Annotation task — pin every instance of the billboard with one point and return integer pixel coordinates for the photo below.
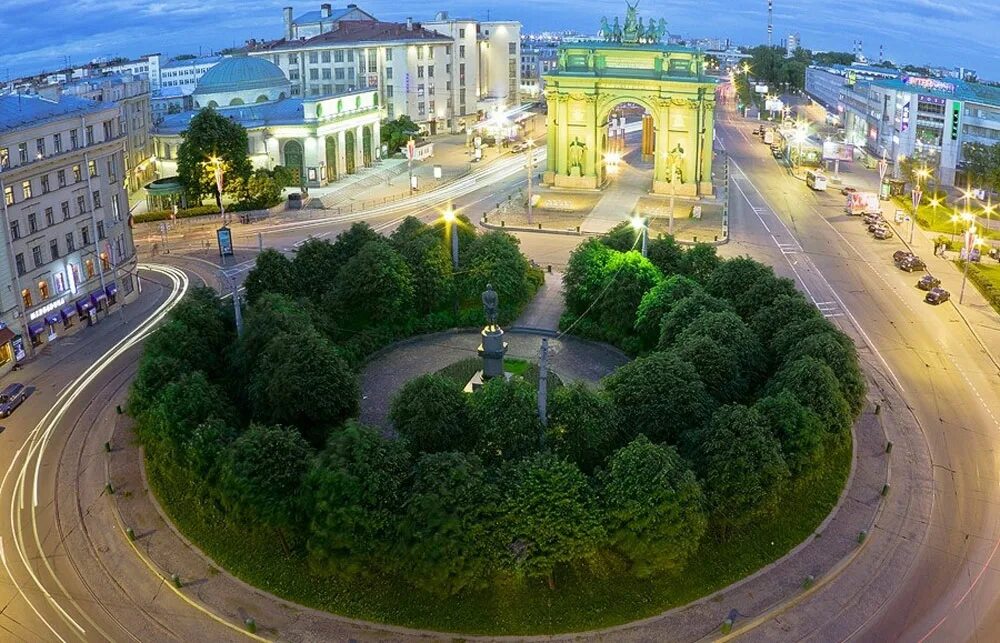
(760, 89)
(774, 105)
(833, 151)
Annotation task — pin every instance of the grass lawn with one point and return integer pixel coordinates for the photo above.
(463, 370)
(987, 279)
(581, 600)
(939, 219)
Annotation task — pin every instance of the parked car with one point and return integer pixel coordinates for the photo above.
(937, 296)
(900, 255)
(869, 219)
(911, 263)
(928, 282)
(11, 398)
(872, 227)
(882, 233)
(520, 146)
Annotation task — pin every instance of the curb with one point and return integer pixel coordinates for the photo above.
(571, 233)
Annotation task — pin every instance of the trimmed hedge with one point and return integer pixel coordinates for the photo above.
(197, 211)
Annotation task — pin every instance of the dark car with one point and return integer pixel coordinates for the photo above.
(909, 264)
(901, 255)
(873, 219)
(872, 227)
(882, 233)
(928, 282)
(11, 398)
(937, 296)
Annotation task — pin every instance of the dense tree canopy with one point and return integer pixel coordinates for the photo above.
(210, 135)
(583, 425)
(505, 415)
(430, 413)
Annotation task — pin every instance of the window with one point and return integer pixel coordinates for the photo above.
(326, 56)
(420, 53)
(74, 141)
(26, 189)
(313, 74)
(89, 266)
(420, 71)
(40, 147)
(388, 73)
(57, 143)
(70, 242)
(61, 178)
(15, 230)
(350, 55)
(45, 183)
(116, 208)
(65, 210)
(327, 89)
(293, 74)
(339, 73)
(90, 135)
(74, 270)
(100, 229)
(22, 152)
(108, 131)
(461, 33)
(92, 168)
(461, 51)
(313, 57)
(36, 255)
(4, 158)
(105, 262)
(43, 290)
(77, 175)
(326, 73)
(97, 198)
(430, 71)
(54, 249)
(60, 283)
(26, 297)
(512, 48)
(32, 223)
(293, 58)
(49, 219)
(447, 50)
(350, 73)
(388, 91)
(338, 56)
(111, 170)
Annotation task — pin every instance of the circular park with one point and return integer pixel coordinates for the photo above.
(350, 451)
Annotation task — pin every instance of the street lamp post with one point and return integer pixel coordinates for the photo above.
(451, 228)
(531, 169)
(641, 226)
(972, 240)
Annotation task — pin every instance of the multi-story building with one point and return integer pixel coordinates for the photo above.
(131, 94)
(441, 73)
(793, 42)
(537, 59)
(68, 247)
(182, 72)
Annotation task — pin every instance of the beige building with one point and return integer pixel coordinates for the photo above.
(67, 247)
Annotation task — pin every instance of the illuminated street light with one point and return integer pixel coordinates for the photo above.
(451, 228)
(640, 226)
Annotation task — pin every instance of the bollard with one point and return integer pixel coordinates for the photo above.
(888, 446)
(118, 409)
(808, 582)
(862, 535)
(578, 229)
(176, 580)
(878, 408)
(696, 239)
(251, 625)
(130, 534)
(539, 226)
(727, 626)
(109, 489)
(885, 489)
(716, 237)
(107, 447)
(501, 223)
(550, 268)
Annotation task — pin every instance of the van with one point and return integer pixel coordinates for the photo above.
(816, 180)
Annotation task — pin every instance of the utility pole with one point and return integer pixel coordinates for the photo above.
(770, 20)
(543, 387)
(228, 282)
(531, 169)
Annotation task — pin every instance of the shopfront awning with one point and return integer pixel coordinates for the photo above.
(83, 305)
(112, 289)
(67, 312)
(53, 318)
(97, 296)
(6, 335)
(36, 329)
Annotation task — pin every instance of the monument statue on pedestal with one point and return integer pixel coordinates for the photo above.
(491, 305)
(493, 348)
(576, 155)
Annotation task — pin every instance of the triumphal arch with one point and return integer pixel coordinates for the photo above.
(629, 63)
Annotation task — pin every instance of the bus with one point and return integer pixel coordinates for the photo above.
(816, 180)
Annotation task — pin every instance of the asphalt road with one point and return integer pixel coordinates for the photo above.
(949, 589)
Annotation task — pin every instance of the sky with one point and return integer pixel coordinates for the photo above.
(38, 35)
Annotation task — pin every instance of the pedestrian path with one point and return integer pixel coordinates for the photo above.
(543, 312)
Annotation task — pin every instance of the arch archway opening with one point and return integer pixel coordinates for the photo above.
(293, 159)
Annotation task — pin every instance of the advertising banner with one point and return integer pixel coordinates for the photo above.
(833, 151)
(225, 238)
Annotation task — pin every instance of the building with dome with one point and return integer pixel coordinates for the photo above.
(320, 138)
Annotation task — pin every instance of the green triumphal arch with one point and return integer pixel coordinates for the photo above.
(629, 64)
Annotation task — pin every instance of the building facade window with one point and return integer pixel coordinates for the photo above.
(57, 143)
(100, 230)
(49, 218)
(54, 249)
(65, 210)
(45, 183)
(61, 178)
(81, 204)
(8, 195)
(26, 298)
(70, 242)
(26, 189)
(90, 135)
(77, 174)
(32, 223)
(22, 153)
(15, 230)
(43, 290)
(89, 267)
(105, 262)
(74, 139)
(40, 147)
(92, 168)
(97, 198)
(4, 158)
(36, 256)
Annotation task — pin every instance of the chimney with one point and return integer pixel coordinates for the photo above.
(409, 24)
(442, 15)
(324, 10)
(287, 11)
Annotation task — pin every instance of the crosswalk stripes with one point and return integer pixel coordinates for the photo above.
(829, 309)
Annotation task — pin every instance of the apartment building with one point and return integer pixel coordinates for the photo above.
(68, 247)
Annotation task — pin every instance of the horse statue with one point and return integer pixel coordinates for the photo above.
(605, 33)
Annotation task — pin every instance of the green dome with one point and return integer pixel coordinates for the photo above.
(241, 73)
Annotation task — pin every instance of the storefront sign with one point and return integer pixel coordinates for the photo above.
(18, 344)
(930, 83)
(905, 120)
(225, 238)
(47, 308)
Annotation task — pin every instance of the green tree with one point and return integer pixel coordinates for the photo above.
(799, 431)
(779, 313)
(209, 135)
(730, 332)
(263, 476)
(718, 367)
(684, 312)
(788, 336)
(302, 381)
(654, 506)
(587, 275)
(633, 277)
(657, 303)
(448, 537)
(206, 449)
(815, 386)
(666, 254)
(350, 242)
(272, 272)
(374, 288)
(202, 311)
(430, 412)
(396, 133)
(700, 261)
(273, 314)
(660, 396)
(505, 415)
(182, 405)
(283, 176)
(314, 269)
(583, 425)
(423, 249)
(354, 494)
(622, 237)
(747, 284)
(842, 358)
(494, 258)
(551, 517)
(741, 465)
(833, 58)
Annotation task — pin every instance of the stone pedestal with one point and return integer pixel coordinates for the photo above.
(492, 351)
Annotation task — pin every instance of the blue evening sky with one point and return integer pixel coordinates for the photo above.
(37, 35)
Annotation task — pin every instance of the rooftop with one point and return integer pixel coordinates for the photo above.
(948, 88)
(313, 17)
(241, 73)
(358, 31)
(19, 111)
(191, 62)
